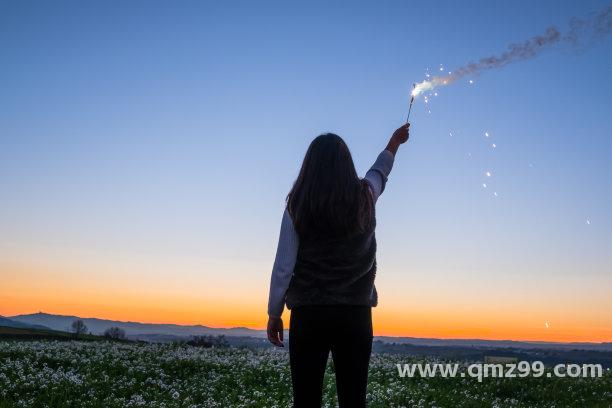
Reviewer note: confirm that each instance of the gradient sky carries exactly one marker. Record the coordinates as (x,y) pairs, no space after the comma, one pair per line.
(146,149)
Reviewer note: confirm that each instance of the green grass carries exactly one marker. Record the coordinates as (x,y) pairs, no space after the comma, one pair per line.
(110,374)
(15,333)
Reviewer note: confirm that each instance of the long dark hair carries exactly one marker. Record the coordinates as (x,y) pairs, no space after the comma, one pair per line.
(328,198)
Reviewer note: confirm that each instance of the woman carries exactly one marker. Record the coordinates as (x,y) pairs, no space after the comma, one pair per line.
(325,267)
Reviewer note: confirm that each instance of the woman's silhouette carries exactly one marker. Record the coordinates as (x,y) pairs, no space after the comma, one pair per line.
(325,267)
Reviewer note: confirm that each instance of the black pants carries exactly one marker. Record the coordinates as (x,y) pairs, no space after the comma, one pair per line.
(314,331)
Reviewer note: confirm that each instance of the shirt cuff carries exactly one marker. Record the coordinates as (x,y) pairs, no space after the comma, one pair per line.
(383,166)
(384,162)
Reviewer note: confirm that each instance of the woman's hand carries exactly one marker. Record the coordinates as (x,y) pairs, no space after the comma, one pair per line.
(275,331)
(399,136)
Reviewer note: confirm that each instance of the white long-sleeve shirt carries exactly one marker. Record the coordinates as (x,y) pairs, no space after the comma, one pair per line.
(288,241)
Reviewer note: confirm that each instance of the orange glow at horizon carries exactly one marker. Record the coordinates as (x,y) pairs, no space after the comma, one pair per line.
(30,287)
(385,323)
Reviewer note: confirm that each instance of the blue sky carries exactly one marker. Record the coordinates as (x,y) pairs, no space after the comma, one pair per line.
(168,132)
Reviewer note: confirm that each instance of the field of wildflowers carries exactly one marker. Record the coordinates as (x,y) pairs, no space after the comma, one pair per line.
(112,374)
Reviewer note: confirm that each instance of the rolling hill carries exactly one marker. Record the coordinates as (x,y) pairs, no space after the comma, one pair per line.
(21,325)
(132,329)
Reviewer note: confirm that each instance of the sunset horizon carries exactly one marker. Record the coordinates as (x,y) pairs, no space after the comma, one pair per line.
(385,326)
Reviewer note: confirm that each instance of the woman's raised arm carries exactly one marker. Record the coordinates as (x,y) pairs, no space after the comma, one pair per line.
(379,172)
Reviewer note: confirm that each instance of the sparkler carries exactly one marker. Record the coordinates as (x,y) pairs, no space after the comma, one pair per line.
(411,100)
(581,33)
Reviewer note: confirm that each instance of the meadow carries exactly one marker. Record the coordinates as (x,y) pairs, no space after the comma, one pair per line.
(50,373)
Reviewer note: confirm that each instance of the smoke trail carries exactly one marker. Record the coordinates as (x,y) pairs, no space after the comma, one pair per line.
(596,27)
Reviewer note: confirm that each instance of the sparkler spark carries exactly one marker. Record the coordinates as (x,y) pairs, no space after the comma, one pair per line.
(594,27)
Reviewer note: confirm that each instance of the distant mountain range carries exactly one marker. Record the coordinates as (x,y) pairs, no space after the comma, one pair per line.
(169,332)
(20,325)
(132,329)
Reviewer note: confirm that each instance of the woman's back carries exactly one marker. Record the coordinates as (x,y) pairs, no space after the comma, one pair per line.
(335,269)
